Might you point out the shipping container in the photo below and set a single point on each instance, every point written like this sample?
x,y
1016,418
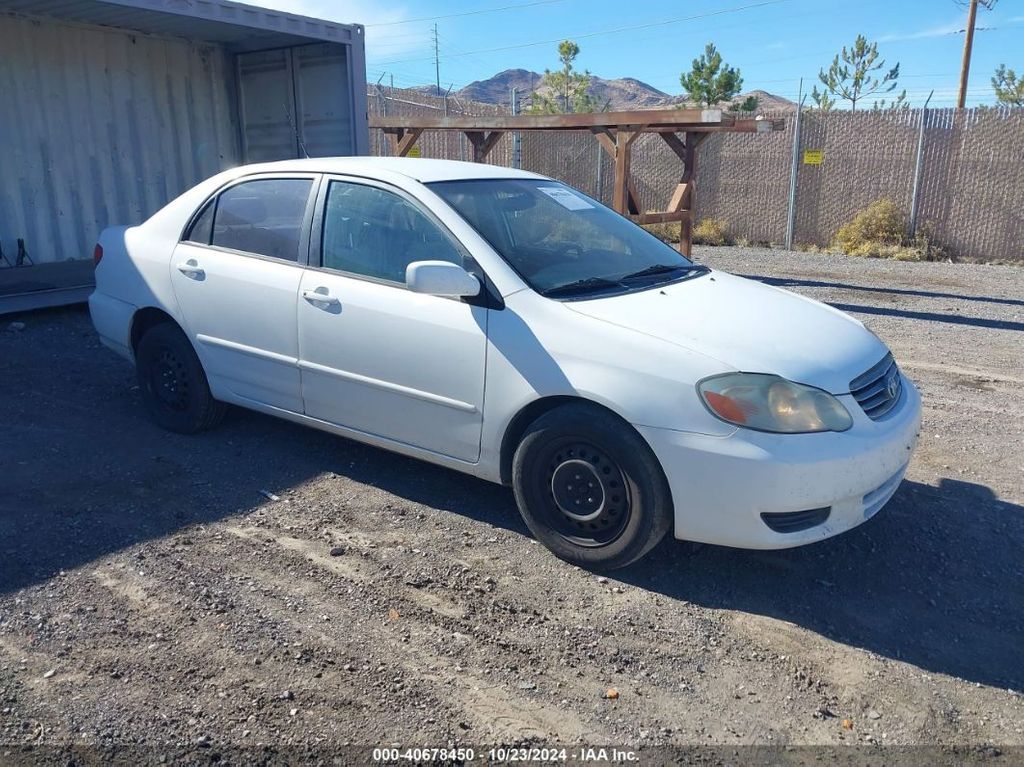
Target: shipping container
x,y
111,108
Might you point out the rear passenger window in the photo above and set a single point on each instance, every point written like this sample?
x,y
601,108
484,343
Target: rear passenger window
x,y
263,217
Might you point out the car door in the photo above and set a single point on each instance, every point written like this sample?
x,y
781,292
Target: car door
x,y
236,276
374,356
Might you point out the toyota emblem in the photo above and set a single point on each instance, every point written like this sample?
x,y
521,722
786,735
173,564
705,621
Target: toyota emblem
x,y
892,386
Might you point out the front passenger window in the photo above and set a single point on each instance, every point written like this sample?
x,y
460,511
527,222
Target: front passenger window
x,y
262,216
375,233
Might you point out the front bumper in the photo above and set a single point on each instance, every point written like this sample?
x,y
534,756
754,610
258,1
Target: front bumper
x,y
722,485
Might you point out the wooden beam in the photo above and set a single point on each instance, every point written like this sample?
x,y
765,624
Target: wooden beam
x,y
576,121
679,196
675,144
606,140
633,201
405,143
664,217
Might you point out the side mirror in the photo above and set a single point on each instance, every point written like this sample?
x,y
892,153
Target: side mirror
x,y
440,278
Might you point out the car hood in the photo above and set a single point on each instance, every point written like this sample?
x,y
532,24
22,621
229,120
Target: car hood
x,y
748,326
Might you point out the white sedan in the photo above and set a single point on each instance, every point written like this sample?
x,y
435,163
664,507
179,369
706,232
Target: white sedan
x,y
503,324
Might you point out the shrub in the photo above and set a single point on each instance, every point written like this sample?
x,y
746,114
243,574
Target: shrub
x,y
711,231
879,231
880,223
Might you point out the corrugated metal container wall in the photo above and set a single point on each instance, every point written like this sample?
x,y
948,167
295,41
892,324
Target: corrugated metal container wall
x,y
136,119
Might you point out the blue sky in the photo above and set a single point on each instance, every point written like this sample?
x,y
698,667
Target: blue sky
x,y
773,42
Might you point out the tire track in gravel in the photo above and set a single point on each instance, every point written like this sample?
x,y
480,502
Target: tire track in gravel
x,y
657,700
493,707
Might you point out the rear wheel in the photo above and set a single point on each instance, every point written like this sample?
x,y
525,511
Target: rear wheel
x,y
590,488
173,384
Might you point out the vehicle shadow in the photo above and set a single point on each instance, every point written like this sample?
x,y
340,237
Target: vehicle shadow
x,y
909,314
936,579
786,282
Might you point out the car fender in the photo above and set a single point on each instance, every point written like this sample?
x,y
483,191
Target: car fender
x,y
539,349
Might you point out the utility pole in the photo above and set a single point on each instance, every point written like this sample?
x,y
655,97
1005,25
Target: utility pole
x,y
437,61
965,67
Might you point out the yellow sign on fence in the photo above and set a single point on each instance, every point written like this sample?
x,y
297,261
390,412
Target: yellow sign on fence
x,y
415,151
813,156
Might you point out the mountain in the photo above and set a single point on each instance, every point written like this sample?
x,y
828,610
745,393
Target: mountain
x,y
498,89
621,94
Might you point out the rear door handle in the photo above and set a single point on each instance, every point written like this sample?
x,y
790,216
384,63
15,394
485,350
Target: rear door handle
x,y
320,295
191,268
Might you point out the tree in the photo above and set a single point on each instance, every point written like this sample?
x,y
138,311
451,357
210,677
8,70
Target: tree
x,y
567,87
711,81
749,104
1009,89
850,77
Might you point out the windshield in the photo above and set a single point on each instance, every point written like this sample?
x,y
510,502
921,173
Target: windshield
x,y
560,241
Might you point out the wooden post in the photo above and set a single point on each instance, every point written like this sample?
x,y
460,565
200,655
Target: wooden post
x,y
690,179
483,143
402,140
624,196
683,197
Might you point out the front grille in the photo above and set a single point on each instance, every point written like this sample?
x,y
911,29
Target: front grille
x,y
878,390
795,521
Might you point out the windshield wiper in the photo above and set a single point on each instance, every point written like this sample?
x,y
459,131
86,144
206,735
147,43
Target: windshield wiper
x,y
580,286
654,269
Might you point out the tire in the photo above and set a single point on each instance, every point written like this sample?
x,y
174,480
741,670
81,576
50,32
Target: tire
x,y
173,383
590,489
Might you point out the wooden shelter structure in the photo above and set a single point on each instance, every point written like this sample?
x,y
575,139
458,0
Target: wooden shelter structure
x,y
682,129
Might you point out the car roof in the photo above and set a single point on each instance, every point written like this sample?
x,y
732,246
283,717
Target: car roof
x,y
420,169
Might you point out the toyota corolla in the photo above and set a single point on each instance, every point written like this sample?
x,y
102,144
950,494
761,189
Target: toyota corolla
x,y
503,324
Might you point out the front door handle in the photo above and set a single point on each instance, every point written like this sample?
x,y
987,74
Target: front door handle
x,y
320,295
191,268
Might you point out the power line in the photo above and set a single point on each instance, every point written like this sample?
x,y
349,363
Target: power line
x,y
709,14
467,13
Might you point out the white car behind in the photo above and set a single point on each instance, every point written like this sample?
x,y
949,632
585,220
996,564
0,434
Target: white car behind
x,y
500,323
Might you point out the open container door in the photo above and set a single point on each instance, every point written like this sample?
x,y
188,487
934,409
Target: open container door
x,y
296,102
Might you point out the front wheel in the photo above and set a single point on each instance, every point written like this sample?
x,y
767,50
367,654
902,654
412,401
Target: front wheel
x,y
590,488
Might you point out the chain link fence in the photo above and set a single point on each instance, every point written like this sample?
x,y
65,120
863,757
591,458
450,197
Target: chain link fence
x,y
970,191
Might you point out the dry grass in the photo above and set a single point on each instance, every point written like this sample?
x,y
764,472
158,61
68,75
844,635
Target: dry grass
x,y
879,231
711,231
665,232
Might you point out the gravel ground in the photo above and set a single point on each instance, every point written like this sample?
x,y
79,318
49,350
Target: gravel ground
x,y
152,595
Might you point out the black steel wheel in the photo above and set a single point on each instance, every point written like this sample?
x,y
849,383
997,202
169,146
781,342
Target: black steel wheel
x,y
590,488
173,384
589,497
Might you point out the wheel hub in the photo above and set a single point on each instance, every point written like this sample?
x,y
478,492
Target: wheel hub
x,y
588,501
578,490
169,382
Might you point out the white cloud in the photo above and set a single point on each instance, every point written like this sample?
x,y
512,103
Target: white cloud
x,y
943,30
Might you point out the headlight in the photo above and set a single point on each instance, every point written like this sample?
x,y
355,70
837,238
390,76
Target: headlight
x,y
770,403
